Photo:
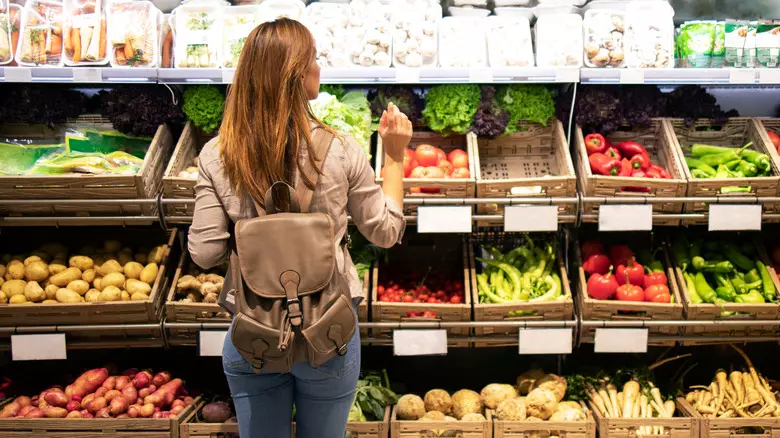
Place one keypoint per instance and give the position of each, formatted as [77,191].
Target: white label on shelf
[545,341]
[211,342]
[407,75]
[18,74]
[735,217]
[769,76]
[742,76]
[567,75]
[419,342]
[632,76]
[451,219]
[87,75]
[621,340]
[39,347]
[481,75]
[626,217]
[227,75]
[528,218]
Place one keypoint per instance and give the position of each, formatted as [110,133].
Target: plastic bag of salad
[696,43]
[768,43]
[719,45]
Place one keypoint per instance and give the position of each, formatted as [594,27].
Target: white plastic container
[468,11]
[649,39]
[6,53]
[462,42]
[509,42]
[274,9]
[370,33]
[139,23]
[576,3]
[472,3]
[14,20]
[559,40]
[328,23]
[415,38]
[603,33]
[38,45]
[555,10]
[511,11]
[87,24]
[197,35]
[238,23]
[504,3]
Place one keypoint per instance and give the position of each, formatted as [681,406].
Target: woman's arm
[208,237]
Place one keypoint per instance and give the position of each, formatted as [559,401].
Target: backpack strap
[321,140]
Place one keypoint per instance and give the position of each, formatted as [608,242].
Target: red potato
[139,401]
[35,413]
[10,410]
[88,399]
[34,401]
[177,402]
[74,397]
[74,414]
[97,404]
[123,416]
[177,410]
[23,401]
[118,406]
[111,395]
[166,394]
[73,405]
[55,412]
[85,414]
[122,382]
[188,400]
[165,414]
[145,392]
[147,410]
[142,380]
[110,383]
[161,378]
[134,411]
[56,397]
[130,394]
[25,410]
[101,392]
[157,415]
[103,413]
[89,381]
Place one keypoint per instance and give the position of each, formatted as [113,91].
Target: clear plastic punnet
[462,42]
[649,34]
[370,33]
[559,40]
[270,10]
[509,41]
[40,40]
[328,23]
[133,37]
[238,22]
[15,24]
[603,32]
[197,34]
[415,37]
[6,53]
[85,33]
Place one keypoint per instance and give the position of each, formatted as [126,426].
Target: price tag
[529,218]
[18,74]
[481,75]
[735,217]
[38,347]
[742,76]
[632,76]
[769,76]
[455,219]
[227,75]
[626,217]
[407,75]
[83,75]
[618,340]
[567,75]
[211,342]
[419,342]
[545,341]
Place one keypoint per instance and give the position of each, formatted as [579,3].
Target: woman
[264,138]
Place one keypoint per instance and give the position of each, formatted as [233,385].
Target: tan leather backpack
[292,303]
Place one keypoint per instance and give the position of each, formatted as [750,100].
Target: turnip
[216,412]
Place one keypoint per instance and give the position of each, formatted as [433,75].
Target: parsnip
[86,37]
[613,398]
[630,393]
[736,381]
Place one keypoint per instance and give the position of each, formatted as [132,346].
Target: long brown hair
[267,115]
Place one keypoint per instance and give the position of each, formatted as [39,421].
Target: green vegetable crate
[767,427]
[427,429]
[367,429]
[177,185]
[614,310]
[145,184]
[436,187]
[560,308]
[523,429]
[730,312]
[736,133]
[683,425]
[532,163]
[659,142]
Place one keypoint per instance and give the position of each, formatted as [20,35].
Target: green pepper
[761,161]
[766,279]
[511,272]
[700,150]
[749,169]
[695,165]
[726,294]
[752,297]
[703,288]
[731,165]
[735,189]
[719,302]
[720,267]
[691,286]
[752,276]
[680,249]
[748,249]
[554,282]
[724,282]
[719,160]
[739,284]
[698,174]
[736,257]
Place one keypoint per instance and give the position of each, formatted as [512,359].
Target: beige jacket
[347,186]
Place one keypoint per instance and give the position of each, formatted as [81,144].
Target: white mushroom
[414,60]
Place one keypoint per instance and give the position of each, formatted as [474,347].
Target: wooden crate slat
[187,148]
[730,427]
[562,429]
[423,429]
[683,426]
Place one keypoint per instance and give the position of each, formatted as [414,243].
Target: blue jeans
[322,395]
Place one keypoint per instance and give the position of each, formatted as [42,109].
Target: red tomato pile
[775,139]
[430,162]
[411,290]
[630,281]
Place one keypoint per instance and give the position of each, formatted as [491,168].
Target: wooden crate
[545,429]
[732,427]
[192,427]
[659,142]
[94,427]
[737,132]
[187,149]
[145,184]
[116,312]
[426,429]
[413,254]
[713,312]
[449,187]
[532,163]
[683,426]
[613,310]
[367,429]
[561,310]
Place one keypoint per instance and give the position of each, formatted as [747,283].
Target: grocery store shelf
[105,75]
[95,336]
[673,76]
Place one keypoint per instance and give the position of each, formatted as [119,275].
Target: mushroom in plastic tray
[604,30]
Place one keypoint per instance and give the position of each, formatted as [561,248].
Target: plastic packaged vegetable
[41,35]
[85,33]
[509,42]
[604,37]
[740,43]
[328,23]
[197,35]
[15,24]
[238,22]
[696,43]
[768,43]
[134,33]
[6,54]
[649,34]
[719,45]
[415,41]
[462,42]
[166,42]
[274,9]
[559,40]
[370,33]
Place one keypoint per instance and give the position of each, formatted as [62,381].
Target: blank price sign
[619,340]
[481,75]
[529,218]
[742,76]
[38,347]
[211,342]
[735,217]
[86,74]
[632,76]
[626,217]
[18,74]
[419,342]
[455,219]
[407,75]
[227,75]
[545,341]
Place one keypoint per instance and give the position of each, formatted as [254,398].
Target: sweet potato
[56,398]
[147,410]
[103,413]
[134,411]
[23,401]
[89,381]
[55,412]
[96,404]
[25,410]
[118,406]
[112,394]
[130,394]
[166,394]
[142,380]
[10,410]
[73,405]
[35,413]
[161,378]
[110,383]
[74,414]
[122,382]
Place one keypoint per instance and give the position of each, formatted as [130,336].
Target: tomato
[396,299]
[630,292]
[658,293]
[429,314]
[455,299]
[408,299]
[427,172]
[423,297]
[415,190]
[426,155]
[432,300]
[380,290]
[440,155]
[446,166]
[460,161]
[408,160]
[460,172]
[456,152]
[591,247]
[440,294]
[775,139]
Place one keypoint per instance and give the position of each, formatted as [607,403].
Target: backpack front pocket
[331,333]
[259,345]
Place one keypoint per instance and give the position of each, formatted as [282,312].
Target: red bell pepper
[631,148]
[658,293]
[640,161]
[595,144]
[630,292]
[591,247]
[614,153]
[604,165]
[653,172]
[660,170]
[596,264]
[632,272]
[602,287]
[637,173]
[653,278]
[626,168]
[620,254]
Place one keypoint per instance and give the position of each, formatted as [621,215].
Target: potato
[68,296]
[81,262]
[113,279]
[42,255]
[141,258]
[14,287]
[88,275]
[149,274]
[124,296]
[15,271]
[36,271]
[79,286]
[55,267]
[49,302]
[51,291]
[124,258]
[3,298]
[109,267]
[63,278]
[31,259]
[134,286]
[133,270]
[2,270]
[54,248]
[34,292]
[98,283]
[110,293]
[138,296]
[92,296]
[18,299]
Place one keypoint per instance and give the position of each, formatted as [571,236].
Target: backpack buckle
[257,363]
[346,240]
[342,350]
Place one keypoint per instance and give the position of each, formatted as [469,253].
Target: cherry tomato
[432,300]
[408,299]
[455,299]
